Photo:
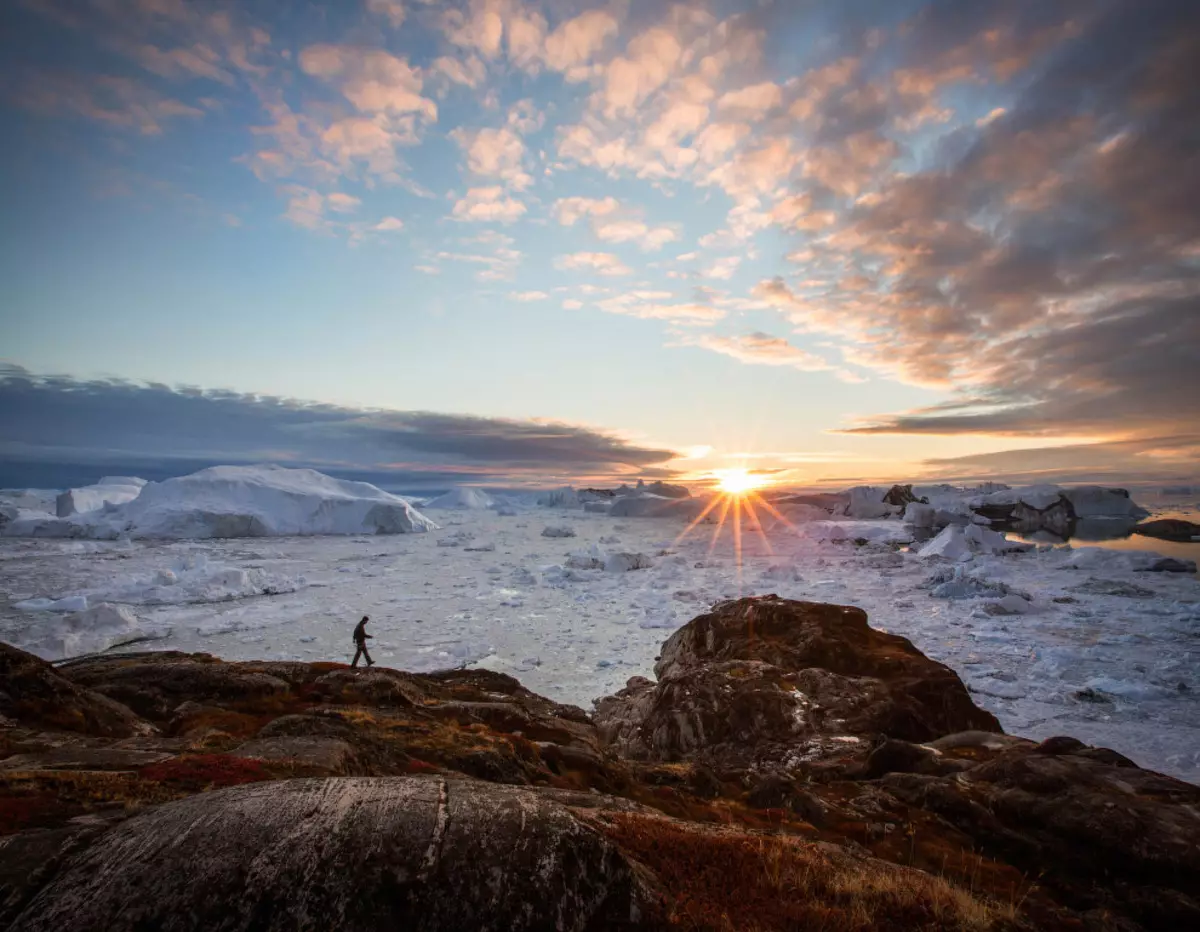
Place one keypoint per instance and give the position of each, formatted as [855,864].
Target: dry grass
[720,881]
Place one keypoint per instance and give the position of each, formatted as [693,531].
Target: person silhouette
[360,643]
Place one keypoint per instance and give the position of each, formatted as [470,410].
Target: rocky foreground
[791,768]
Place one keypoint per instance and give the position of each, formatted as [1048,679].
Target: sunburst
[737,494]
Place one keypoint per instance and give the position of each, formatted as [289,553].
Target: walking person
[360,643]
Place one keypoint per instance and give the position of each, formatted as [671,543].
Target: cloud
[342,203]
[494,153]
[723,268]
[758,348]
[613,224]
[635,231]
[572,305]
[102,422]
[373,80]
[528,295]
[574,42]
[469,71]
[488,205]
[649,305]
[392,11]
[753,101]
[118,102]
[647,64]
[605,263]
[525,117]
[567,210]
[1165,459]
[499,265]
[1069,311]
[389,225]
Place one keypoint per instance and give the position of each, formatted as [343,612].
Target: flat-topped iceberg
[239,501]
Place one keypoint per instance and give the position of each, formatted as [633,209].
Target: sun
[738,481]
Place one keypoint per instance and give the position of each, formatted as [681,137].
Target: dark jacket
[360,633]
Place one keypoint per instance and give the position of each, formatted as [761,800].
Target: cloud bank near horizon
[105,421]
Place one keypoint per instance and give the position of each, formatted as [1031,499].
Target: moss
[197,772]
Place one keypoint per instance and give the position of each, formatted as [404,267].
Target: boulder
[33,694]
[1103,833]
[900,496]
[771,679]
[350,854]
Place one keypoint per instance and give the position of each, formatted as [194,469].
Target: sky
[507,241]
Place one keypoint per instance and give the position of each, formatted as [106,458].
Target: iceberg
[111,490]
[463,498]
[239,501]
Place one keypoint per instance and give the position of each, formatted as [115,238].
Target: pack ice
[238,501]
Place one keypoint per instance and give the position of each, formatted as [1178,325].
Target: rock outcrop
[420,853]
[791,768]
[771,679]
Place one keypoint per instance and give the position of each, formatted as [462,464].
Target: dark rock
[769,678]
[1101,831]
[154,684]
[900,757]
[1059,745]
[1169,529]
[1171,565]
[900,495]
[774,791]
[332,755]
[347,854]
[34,694]
[1127,590]
[83,758]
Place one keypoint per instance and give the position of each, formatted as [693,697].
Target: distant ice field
[1092,647]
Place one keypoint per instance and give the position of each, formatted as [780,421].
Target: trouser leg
[367,657]
[359,651]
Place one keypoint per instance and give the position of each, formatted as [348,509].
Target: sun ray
[728,500]
[758,525]
[716,500]
[773,510]
[737,538]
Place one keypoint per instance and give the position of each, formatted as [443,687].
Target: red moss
[205,771]
[414,765]
[23,811]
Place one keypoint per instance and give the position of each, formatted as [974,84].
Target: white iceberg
[111,490]
[566,497]
[463,498]
[239,501]
[866,501]
[646,505]
[956,542]
[89,631]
